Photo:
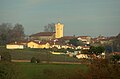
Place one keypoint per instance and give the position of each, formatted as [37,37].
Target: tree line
[116,43]
[11,33]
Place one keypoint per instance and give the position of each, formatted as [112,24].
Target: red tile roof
[56,43]
[43,34]
[15,43]
[68,37]
[116,53]
[83,37]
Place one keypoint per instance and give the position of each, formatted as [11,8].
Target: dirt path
[20,60]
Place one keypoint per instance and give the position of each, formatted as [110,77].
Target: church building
[59,27]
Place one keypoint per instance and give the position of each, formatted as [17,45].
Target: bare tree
[18,32]
[8,33]
[5,32]
[49,28]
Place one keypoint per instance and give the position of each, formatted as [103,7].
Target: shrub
[33,60]
[102,69]
[38,60]
[5,55]
[115,58]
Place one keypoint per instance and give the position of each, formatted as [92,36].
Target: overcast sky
[80,17]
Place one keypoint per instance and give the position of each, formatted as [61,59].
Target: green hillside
[41,54]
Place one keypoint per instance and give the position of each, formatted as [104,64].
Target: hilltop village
[57,41]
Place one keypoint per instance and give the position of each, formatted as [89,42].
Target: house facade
[85,39]
[38,44]
[15,46]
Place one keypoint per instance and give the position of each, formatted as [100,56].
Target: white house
[82,56]
[15,46]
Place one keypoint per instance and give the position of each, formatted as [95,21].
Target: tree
[5,32]
[92,49]
[96,50]
[115,58]
[8,33]
[49,28]
[18,32]
[3,39]
[70,50]
[100,49]
[76,42]
[116,43]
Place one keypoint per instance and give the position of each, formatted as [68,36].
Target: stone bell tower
[59,30]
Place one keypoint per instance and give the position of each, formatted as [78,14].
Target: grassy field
[49,71]
[45,70]
[42,55]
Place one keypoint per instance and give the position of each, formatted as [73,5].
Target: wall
[15,46]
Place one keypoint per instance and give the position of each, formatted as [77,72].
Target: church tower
[59,30]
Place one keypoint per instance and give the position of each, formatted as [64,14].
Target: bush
[33,60]
[38,60]
[115,58]
[5,55]
[102,69]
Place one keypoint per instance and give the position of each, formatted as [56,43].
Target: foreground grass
[49,71]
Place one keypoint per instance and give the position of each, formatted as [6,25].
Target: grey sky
[80,17]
